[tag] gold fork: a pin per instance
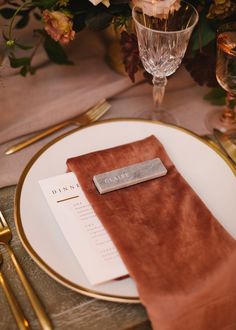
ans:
(86, 118)
(5, 238)
(21, 321)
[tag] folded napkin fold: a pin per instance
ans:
(182, 260)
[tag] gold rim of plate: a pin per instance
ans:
(33, 253)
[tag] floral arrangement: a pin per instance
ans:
(61, 20)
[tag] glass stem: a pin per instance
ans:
(159, 84)
(229, 113)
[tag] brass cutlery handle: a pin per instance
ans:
(21, 321)
(226, 144)
(34, 300)
(36, 137)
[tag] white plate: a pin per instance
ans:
(207, 171)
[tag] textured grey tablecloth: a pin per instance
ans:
(68, 310)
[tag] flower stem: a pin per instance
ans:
(36, 48)
(13, 18)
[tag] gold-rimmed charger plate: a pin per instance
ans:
(209, 173)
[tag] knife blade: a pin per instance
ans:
(226, 144)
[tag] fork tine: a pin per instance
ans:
(92, 110)
(3, 222)
(98, 105)
(99, 112)
(95, 113)
(102, 110)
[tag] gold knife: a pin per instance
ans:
(226, 144)
(83, 119)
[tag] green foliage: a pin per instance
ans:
(18, 62)
(37, 16)
(22, 63)
(121, 22)
(23, 21)
(216, 96)
(45, 4)
(203, 34)
(199, 59)
(27, 69)
(98, 20)
(24, 71)
(7, 12)
(55, 51)
(24, 47)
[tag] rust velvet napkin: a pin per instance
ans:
(182, 260)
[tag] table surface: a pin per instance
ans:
(67, 309)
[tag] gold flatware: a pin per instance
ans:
(211, 140)
(17, 312)
(86, 118)
(5, 238)
(226, 144)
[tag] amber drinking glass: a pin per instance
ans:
(224, 119)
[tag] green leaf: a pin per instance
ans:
(55, 51)
(18, 62)
(7, 12)
(14, 4)
(4, 36)
(25, 47)
(216, 96)
(40, 32)
(32, 70)
(37, 16)
(27, 69)
(24, 70)
(203, 34)
(45, 4)
(98, 20)
(22, 22)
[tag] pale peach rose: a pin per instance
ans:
(158, 8)
(59, 26)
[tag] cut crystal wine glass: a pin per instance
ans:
(162, 45)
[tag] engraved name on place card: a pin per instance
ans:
(129, 175)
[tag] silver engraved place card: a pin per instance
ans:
(129, 175)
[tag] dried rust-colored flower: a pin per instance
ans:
(221, 9)
(202, 68)
(129, 48)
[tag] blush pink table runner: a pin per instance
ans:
(55, 93)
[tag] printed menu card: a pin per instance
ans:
(82, 229)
